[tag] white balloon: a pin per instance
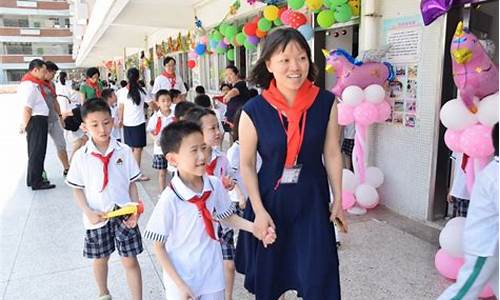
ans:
(455, 115)
(349, 180)
(374, 177)
(451, 237)
(366, 196)
(374, 93)
(487, 112)
(353, 95)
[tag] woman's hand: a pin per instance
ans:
(338, 218)
(261, 224)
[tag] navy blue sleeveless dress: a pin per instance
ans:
(304, 256)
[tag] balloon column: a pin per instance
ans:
(361, 88)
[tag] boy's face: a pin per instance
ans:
(99, 124)
(191, 158)
(164, 102)
(112, 99)
(211, 132)
(49, 75)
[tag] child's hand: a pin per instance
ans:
(228, 183)
(131, 221)
(186, 293)
(449, 198)
(95, 216)
(270, 237)
(242, 203)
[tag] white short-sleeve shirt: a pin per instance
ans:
(116, 132)
(65, 96)
(162, 83)
(165, 120)
(459, 187)
(133, 114)
(32, 97)
(222, 167)
(86, 173)
(481, 224)
(196, 257)
(233, 155)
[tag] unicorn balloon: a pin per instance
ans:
(350, 71)
(474, 73)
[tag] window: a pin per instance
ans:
(18, 48)
(15, 22)
(15, 75)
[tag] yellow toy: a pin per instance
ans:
(129, 209)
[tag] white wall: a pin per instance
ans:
(407, 155)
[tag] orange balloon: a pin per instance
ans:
(260, 34)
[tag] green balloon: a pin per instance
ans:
(230, 54)
(241, 38)
(231, 31)
(264, 24)
(249, 46)
(332, 3)
(278, 22)
(220, 50)
(326, 18)
(343, 13)
(295, 4)
(216, 35)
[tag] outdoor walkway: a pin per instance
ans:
(385, 256)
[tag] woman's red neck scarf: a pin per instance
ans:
(95, 86)
(305, 97)
(29, 77)
(171, 78)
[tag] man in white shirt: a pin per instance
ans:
(35, 122)
(168, 79)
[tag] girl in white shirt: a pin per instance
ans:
(131, 101)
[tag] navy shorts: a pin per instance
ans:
(159, 162)
(347, 146)
(101, 242)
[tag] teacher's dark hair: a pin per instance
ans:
(278, 40)
(168, 59)
(135, 88)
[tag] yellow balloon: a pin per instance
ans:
(314, 4)
(355, 7)
(271, 12)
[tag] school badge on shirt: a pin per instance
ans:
(119, 161)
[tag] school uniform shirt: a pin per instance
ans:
(32, 97)
(196, 257)
(162, 83)
(65, 96)
(481, 224)
(86, 173)
(349, 131)
(222, 166)
(459, 187)
(116, 132)
(233, 155)
(151, 127)
(133, 115)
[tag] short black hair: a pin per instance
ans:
(94, 105)
(174, 93)
(51, 66)
(172, 135)
(123, 83)
(195, 114)
(92, 71)
(225, 85)
(161, 93)
(168, 59)
(234, 69)
(36, 64)
(203, 101)
(182, 108)
(200, 89)
(106, 93)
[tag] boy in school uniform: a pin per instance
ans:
(459, 195)
(480, 240)
(103, 174)
(182, 223)
(159, 120)
(109, 96)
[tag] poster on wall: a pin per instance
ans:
(405, 35)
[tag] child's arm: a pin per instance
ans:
(238, 222)
(131, 221)
(167, 266)
(93, 216)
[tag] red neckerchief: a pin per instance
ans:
(158, 126)
(465, 160)
(51, 87)
(95, 86)
(171, 78)
(29, 77)
(210, 168)
(105, 163)
(305, 97)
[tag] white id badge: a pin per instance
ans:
(291, 175)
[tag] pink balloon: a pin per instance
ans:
(192, 55)
(226, 41)
(452, 140)
(285, 16)
(345, 114)
(348, 199)
(476, 141)
(447, 265)
(384, 111)
(365, 113)
(204, 39)
(487, 292)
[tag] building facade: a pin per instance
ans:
(33, 29)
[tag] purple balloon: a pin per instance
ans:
(222, 45)
(253, 40)
(433, 9)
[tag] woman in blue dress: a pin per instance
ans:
(293, 126)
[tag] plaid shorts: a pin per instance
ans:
(347, 146)
(159, 162)
(460, 207)
(227, 243)
(101, 242)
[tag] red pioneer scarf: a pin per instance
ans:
(29, 77)
(95, 86)
(171, 78)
